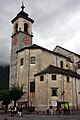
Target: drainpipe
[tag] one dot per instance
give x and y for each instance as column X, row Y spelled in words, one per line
column 75, row 83
column 28, row 77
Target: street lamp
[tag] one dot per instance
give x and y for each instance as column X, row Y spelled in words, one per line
column 63, row 95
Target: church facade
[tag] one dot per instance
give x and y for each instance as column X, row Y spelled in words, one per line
column 47, row 76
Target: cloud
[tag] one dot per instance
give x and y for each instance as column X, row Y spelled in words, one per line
column 62, row 23
column 56, row 22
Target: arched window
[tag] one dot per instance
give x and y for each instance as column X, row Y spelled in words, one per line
column 16, row 27
column 25, row 27
column 21, row 61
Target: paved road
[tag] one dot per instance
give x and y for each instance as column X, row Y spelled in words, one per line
column 42, row 117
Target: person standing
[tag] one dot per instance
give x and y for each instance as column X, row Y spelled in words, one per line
column 20, row 111
column 51, row 110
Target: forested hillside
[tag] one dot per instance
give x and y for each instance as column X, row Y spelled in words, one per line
column 4, row 76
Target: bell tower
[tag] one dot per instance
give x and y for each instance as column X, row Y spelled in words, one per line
column 21, row 38
column 22, row 29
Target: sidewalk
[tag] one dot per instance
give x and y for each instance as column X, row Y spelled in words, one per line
column 2, row 112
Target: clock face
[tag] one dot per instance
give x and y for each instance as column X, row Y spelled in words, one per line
column 26, row 40
column 14, row 40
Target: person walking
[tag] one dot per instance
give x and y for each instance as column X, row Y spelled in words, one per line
column 20, row 111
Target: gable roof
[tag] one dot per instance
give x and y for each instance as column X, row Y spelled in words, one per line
column 57, row 70
column 66, row 50
column 34, row 46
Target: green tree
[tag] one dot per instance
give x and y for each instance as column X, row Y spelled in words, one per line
column 16, row 92
column 5, row 98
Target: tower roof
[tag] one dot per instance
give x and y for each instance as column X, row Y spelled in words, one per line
column 22, row 14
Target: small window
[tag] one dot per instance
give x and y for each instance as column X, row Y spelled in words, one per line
column 53, row 77
column 66, row 65
column 16, row 27
column 54, row 91
column 32, row 86
column 41, row 78
column 78, row 65
column 25, row 27
column 68, row 79
column 33, row 60
column 61, row 64
column 21, row 61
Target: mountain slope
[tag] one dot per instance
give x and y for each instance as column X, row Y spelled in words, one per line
column 4, row 76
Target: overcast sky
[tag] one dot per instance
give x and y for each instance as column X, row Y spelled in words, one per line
column 56, row 22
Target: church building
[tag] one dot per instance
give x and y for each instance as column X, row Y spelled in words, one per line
column 47, row 76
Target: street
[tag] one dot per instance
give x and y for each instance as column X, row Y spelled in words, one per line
column 42, row 117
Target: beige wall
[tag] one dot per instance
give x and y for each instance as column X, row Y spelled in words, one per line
column 21, row 22
column 43, row 98
column 73, row 57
